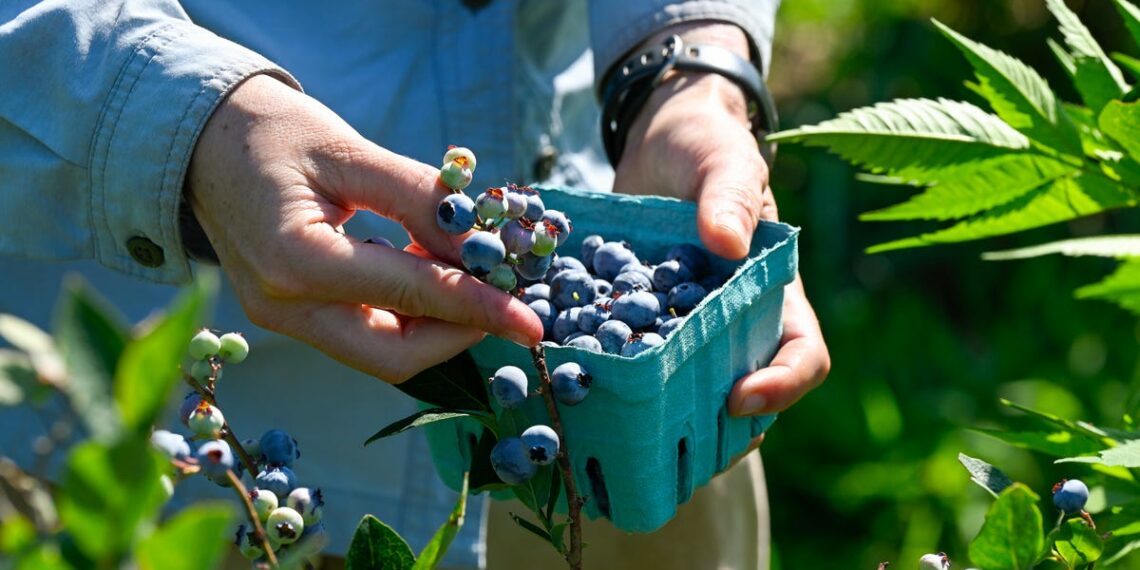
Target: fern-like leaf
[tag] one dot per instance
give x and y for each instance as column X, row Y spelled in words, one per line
column 1121, row 121
column 1099, row 246
column 1121, row 287
column 1131, row 16
column 1056, row 201
column 982, row 185
column 1129, row 63
column 1063, row 57
column 908, row 138
column 1018, row 94
column 1097, row 79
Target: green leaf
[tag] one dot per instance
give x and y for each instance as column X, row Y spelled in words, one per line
column 1018, row 94
column 554, row 493
column 1124, row 520
column 1100, row 246
column 17, row 534
column 148, row 369
column 453, row 384
column 1120, row 121
column 37, row 345
column 1055, row 201
column 1063, row 57
column 1131, row 16
column 1010, row 538
column 965, row 190
column 109, row 492
column 375, row 546
column 17, row 376
column 91, row 339
column 1130, row 64
column 1126, row 454
column 45, row 557
column 483, row 476
column 1089, row 430
column 1097, row 79
column 1078, row 543
column 195, row 538
column 418, row 419
column 1121, row 287
column 910, row 137
column 985, row 475
column 1060, row 443
column 433, row 553
column 534, row 529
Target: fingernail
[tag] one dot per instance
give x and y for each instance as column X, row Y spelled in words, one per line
column 731, row 221
column 753, row 404
column 519, row 339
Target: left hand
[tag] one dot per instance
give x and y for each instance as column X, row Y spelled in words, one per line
column 691, row 141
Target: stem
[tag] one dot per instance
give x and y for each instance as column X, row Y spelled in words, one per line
column 227, row 432
column 258, row 531
column 573, row 501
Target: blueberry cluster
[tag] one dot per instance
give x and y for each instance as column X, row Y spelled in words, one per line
column 517, row 459
column 515, row 234
column 609, row 300
column 290, row 514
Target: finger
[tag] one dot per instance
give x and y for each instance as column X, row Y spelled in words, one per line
column 731, row 200
column 348, row 271
column 800, row 365
column 373, row 340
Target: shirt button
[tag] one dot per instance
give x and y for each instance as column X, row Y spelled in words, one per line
column 145, row 252
column 544, row 163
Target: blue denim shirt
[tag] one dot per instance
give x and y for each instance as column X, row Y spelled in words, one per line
column 102, row 101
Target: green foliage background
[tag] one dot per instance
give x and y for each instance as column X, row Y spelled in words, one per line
column 925, row 341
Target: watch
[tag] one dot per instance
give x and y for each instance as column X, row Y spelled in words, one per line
column 630, row 85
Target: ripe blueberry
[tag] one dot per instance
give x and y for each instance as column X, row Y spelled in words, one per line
column 509, row 387
column 585, row 342
column 455, row 214
column 638, row 310
column 510, row 460
column 279, row 448
column 481, row 252
column 685, row 297
column 641, row 342
column 589, row 246
column 570, row 383
column 613, row 335
column 1070, row 495
column 541, row 444
column 571, row 288
column 277, row 480
column 610, row 257
column 532, row 266
column 214, row 458
column 518, row 236
column 173, row 445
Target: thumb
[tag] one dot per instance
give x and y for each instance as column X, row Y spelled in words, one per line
column 730, row 201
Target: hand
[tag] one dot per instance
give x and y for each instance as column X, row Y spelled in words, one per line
column 692, row 141
column 273, row 178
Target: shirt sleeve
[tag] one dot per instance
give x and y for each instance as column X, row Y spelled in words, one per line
column 616, row 28
column 102, row 104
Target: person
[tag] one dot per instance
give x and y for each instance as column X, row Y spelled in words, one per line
column 138, row 136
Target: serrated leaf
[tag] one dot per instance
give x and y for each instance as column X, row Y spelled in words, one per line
column 1018, row 94
column 1131, row 16
column 1078, row 543
column 1097, row 79
column 1058, row 443
column 1063, row 57
column 433, row 553
column 90, row 338
column 148, row 370
column 203, row 526
column 1122, row 287
column 1100, row 246
column 418, row 419
column 453, row 384
column 1056, row 201
column 1127, row 454
column 1120, row 121
column 966, row 190
column 375, row 546
column 1011, row 537
column 908, row 138
column 985, row 475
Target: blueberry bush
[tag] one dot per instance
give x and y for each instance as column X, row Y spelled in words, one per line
column 1033, row 161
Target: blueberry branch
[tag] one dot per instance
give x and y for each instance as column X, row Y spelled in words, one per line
column 227, row 433
column 573, row 500
column 258, row 532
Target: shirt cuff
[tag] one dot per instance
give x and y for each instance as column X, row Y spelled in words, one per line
column 147, row 130
column 622, row 26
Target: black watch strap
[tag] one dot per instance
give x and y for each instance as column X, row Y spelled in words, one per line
column 630, row 85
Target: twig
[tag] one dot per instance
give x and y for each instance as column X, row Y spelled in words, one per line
column 258, row 531
column 573, row 501
column 227, row 432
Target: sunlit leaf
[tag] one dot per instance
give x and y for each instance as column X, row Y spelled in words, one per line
column 1097, row 79
column 1121, row 287
column 433, row 553
column 985, row 475
column 375, row 546
column 1011, row 536
column 1100, row 246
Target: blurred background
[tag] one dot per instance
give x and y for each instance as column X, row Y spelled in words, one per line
column 924, row 342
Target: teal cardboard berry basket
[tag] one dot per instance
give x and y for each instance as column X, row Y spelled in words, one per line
column 654, row 427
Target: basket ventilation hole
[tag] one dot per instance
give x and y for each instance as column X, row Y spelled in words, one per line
column 598, row 492
column 684, row 471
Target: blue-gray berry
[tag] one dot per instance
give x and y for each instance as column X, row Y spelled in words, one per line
column 509, row 387
column 613, row 335
column 1070, row 495
column 510, row 462
column 277, row 480
column 541, row 444
column 481, row 252
column 570, row 383
column 641, row 342
column 638, row 310
column 278, row 448
column 455, row 214
column 572, row 288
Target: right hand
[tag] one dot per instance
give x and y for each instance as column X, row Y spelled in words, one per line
column 275, row 175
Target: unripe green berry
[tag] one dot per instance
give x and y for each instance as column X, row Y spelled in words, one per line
column 503, row 277
column 263, row 502
column 234, row 348
column 204, row 345
column 201, row 371
column 455, row 176
column 284, row 525
column 545, row 239
column 462, row 155
column 248, row 547
column 206, row 420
